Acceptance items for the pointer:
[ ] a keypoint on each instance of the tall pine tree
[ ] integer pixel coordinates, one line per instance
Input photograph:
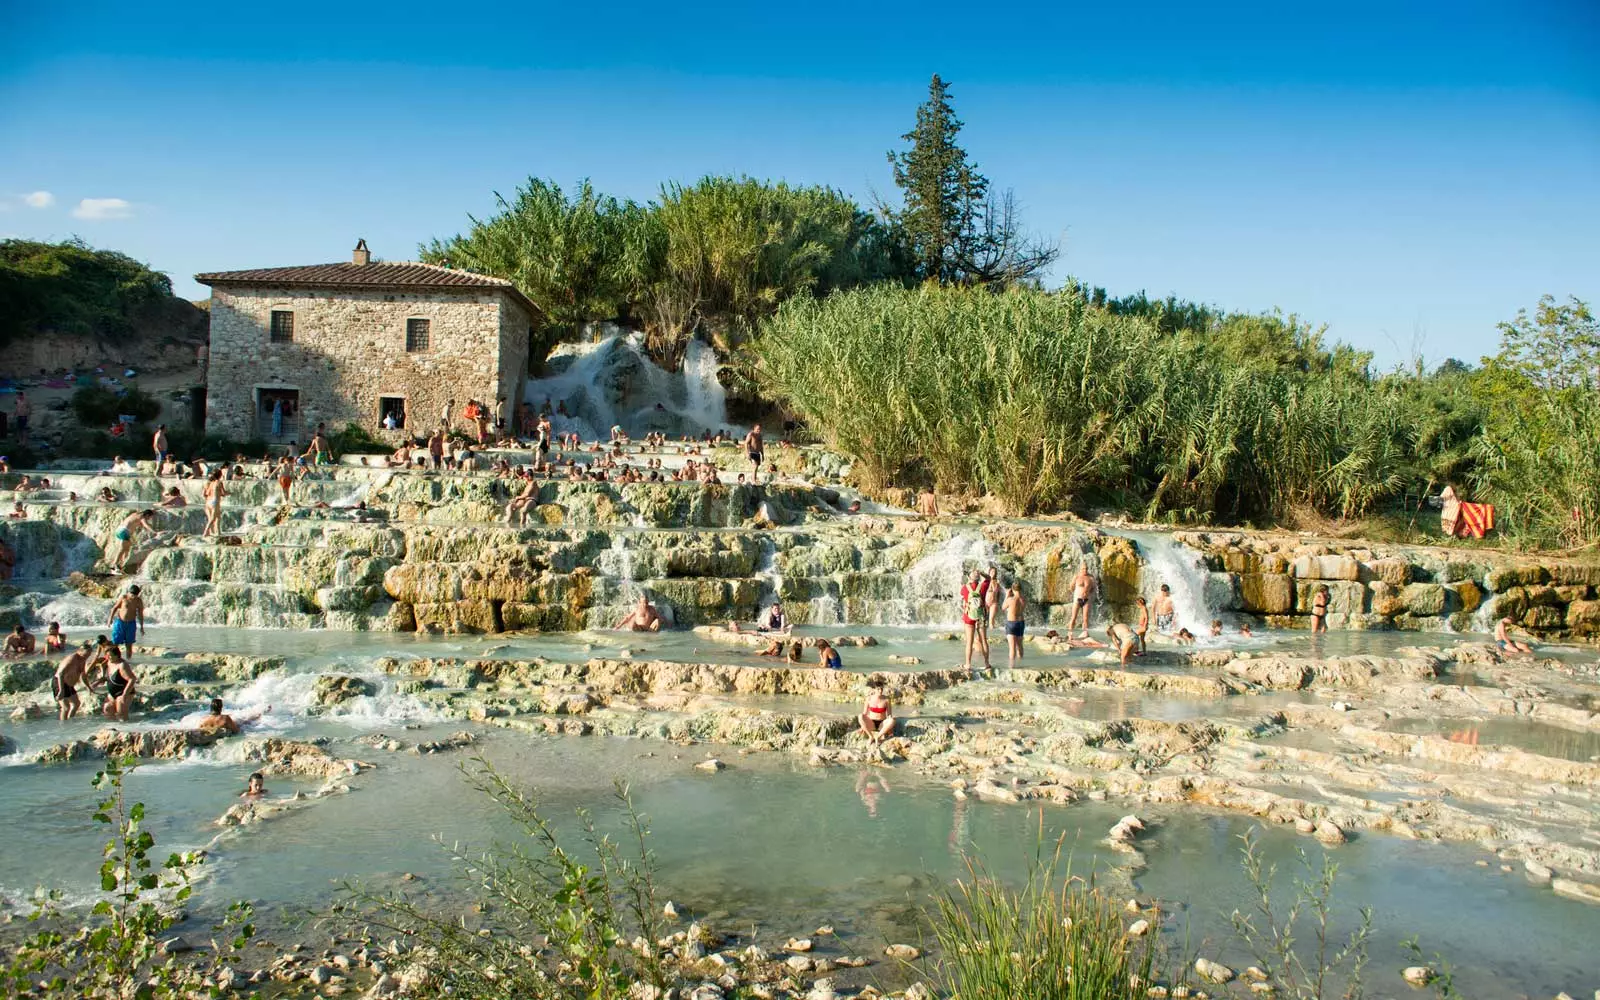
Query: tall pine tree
(955, 231)
(942, 190)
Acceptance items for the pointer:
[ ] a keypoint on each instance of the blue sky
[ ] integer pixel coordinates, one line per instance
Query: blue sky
(1407, 173)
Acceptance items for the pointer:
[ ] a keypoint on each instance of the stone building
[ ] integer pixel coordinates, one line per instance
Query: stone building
(352, 343)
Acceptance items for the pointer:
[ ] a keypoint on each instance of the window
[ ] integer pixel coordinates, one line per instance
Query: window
(282, 326)
(416, 335)
(392, 412)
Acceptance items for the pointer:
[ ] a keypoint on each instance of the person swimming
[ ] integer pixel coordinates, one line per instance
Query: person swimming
(255, 787)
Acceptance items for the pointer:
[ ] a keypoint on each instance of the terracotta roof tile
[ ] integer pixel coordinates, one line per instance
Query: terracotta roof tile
(404, 274)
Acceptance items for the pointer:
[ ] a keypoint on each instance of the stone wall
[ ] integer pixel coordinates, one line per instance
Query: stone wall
(349, 350)
(1394, 586)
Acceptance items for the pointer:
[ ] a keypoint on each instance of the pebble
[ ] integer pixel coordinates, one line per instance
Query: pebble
(799, 963)
(1417, 975)
(322, 975)
(1139, 928)
(797, 944)
(1537, 872)
(1329, 833)
(904, 952)
(669, 911)
(711, 764)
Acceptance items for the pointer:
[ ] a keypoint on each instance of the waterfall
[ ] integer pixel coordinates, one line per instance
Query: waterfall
(705, 400)
(617, 562)
(1184, 571)
(768, 574)
(613, 382)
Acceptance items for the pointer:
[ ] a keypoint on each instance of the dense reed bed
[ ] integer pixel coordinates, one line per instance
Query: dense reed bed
(1047, 401)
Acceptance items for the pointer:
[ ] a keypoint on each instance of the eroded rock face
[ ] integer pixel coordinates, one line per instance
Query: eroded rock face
(335, 689)
(20, 676)
(148, 743)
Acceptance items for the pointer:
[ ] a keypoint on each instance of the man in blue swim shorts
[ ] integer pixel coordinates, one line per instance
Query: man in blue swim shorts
(127, 620)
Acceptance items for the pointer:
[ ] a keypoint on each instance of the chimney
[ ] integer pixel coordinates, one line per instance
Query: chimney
(361, 255)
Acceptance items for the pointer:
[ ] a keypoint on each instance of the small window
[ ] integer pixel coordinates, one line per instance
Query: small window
(282, 326)
(416, 335)
(392, 412)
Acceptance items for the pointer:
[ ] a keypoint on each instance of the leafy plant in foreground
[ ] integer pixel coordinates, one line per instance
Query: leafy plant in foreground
(117, 954)
(1269, 931)
(587, 908)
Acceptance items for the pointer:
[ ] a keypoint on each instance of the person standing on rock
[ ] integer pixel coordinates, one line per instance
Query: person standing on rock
(126, 620)
(991, 600)
(24, 413)
(974, 615)
(444, 415)
(436, 447)
(1165, 612)
(1015, 626)
(753, 449)
(1082, 590)
(73, 670)
(928, 503)
(214, 492)
(161, 446)
(1142, 627)
(1319, 610)
(120, 684)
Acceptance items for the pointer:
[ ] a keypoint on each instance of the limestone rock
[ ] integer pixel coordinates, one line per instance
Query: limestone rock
(1139, 928)
(712, 764)
(1212, 972)
(1417, 975)
(1329, 833)
(904, 952)
(1584, 892)
(334, 689)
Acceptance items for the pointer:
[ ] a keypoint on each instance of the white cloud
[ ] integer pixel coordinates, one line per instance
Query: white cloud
(103, 208)
(39, 199)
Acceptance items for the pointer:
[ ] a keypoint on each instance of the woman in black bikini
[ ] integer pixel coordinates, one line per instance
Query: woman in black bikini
(120, 680)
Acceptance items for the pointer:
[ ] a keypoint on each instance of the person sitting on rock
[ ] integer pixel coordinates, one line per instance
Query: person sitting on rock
(827, 657)
(54, 640)
(877, 715)
(643, 618)
(173, 498)
(20, 642)
(1506, 642)
(774, 620)
(517, 509)
(18, 512)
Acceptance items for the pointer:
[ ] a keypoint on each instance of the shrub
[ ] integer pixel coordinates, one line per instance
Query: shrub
(116, 954)
(1055, 938)
(97, 407)
(589, 903)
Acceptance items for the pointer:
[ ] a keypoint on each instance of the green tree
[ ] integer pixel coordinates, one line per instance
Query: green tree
(1558, 347)
(70, 287)
(957, 230)
(572, 254)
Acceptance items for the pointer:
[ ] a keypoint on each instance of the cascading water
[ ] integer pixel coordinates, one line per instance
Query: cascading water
(617, 563)
(767, 572)
(613, 382)
(1182, 569)
(933, 583)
